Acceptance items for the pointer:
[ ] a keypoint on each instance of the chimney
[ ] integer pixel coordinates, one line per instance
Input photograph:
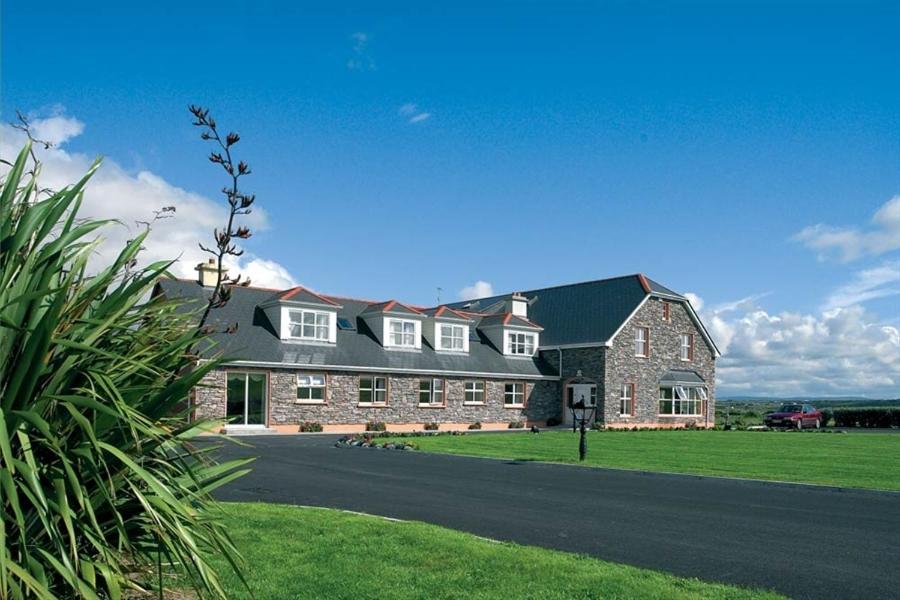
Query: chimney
(517, 305)
(207, 273)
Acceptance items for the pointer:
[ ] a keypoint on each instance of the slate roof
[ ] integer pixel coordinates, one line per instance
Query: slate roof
(681, 377)
(580, 313)
(256, 340)
(301, 294)
(507, 318)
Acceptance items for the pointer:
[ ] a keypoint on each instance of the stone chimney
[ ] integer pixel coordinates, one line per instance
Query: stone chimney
(208, 273)
(517, 305)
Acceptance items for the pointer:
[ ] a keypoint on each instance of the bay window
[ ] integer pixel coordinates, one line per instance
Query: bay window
(681, 400)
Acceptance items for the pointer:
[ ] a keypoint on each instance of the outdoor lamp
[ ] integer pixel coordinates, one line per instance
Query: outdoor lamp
(582, 414)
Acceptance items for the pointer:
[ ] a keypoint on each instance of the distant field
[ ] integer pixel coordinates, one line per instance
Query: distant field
(852, 460)
(296, 553)
(744, 413)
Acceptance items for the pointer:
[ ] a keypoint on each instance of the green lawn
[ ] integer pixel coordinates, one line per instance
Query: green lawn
(295, 553)
(865, 460)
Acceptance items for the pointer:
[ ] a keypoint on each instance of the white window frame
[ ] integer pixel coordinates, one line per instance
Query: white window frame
(321, 331)
(626, 397)
(408, 333)
(375, 389)
(687, 401)
(686, 342)
(436, 390)
(456, 336)
(516, 385)
(472, 387)
(313, 381)
(642, 337)
(521, 343)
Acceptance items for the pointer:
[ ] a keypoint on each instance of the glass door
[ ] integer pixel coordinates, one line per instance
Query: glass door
(246, 399)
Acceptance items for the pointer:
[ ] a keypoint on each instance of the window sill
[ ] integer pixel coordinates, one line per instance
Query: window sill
(432, 406)
(372, 405)
(310, 402)
(678, 416)
(513, 406)
(473, 403)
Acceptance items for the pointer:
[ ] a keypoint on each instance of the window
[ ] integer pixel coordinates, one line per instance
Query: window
(667, 311)
(451, 337)
(626, 400)
(514, 394)
(520, 344)
(474, 392)
(642, 341)
(403, 333)
(687, 346)
(310, 388)
(681, 400)
(309, 325)
(373, 390)
(431, 392)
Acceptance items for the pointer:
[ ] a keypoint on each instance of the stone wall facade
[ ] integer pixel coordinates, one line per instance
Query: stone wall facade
(342, 407)
(622, 366)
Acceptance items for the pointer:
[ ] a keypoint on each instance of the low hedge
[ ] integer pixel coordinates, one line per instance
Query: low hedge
(867, 417)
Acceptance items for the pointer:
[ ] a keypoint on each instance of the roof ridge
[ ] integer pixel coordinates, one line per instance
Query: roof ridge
(553, 287)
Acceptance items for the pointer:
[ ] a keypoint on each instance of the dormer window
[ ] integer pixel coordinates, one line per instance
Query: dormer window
(402, 333)
(451, 337)
(309, 325)
(520, 344)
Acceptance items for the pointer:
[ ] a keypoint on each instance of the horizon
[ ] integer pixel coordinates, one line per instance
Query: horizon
(745, 155)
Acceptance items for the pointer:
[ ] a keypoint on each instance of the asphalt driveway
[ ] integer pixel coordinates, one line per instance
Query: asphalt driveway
(803, 541)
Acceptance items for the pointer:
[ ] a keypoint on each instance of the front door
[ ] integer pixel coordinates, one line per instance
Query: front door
(246, 400)
(574, 393)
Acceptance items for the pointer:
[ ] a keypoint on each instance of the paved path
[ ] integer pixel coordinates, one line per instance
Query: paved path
(803, 541)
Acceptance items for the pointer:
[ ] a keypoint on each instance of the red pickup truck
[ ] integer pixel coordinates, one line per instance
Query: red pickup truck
(794, 415)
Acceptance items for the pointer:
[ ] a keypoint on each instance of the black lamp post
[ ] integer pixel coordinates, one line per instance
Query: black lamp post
(582, 414)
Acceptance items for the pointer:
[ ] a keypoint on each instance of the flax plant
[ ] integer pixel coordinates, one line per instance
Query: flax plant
(101, 490)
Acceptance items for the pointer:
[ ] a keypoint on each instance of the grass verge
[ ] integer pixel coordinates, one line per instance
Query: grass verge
(296, 553)
(852, 460)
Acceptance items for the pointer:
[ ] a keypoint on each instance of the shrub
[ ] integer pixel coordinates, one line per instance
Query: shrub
(516, 425)
(597, 426)
(867, 417)
(475, 425)
(553, 422)
(101, 485)
(827, 416)
(431, 426)
(310, 427)
(376, 426)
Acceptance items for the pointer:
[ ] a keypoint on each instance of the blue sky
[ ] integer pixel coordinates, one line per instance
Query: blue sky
(521, 144)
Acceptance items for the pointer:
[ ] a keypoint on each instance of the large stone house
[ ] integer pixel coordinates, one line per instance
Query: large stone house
(628, 345)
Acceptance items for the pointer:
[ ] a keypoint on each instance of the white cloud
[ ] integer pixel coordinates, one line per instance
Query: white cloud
(839, 351)
(411, 110)
(480, 289)
(850, 243)
(57, 129)
(695, 300)
(361, 59)
(113, 193)
(878, 282)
